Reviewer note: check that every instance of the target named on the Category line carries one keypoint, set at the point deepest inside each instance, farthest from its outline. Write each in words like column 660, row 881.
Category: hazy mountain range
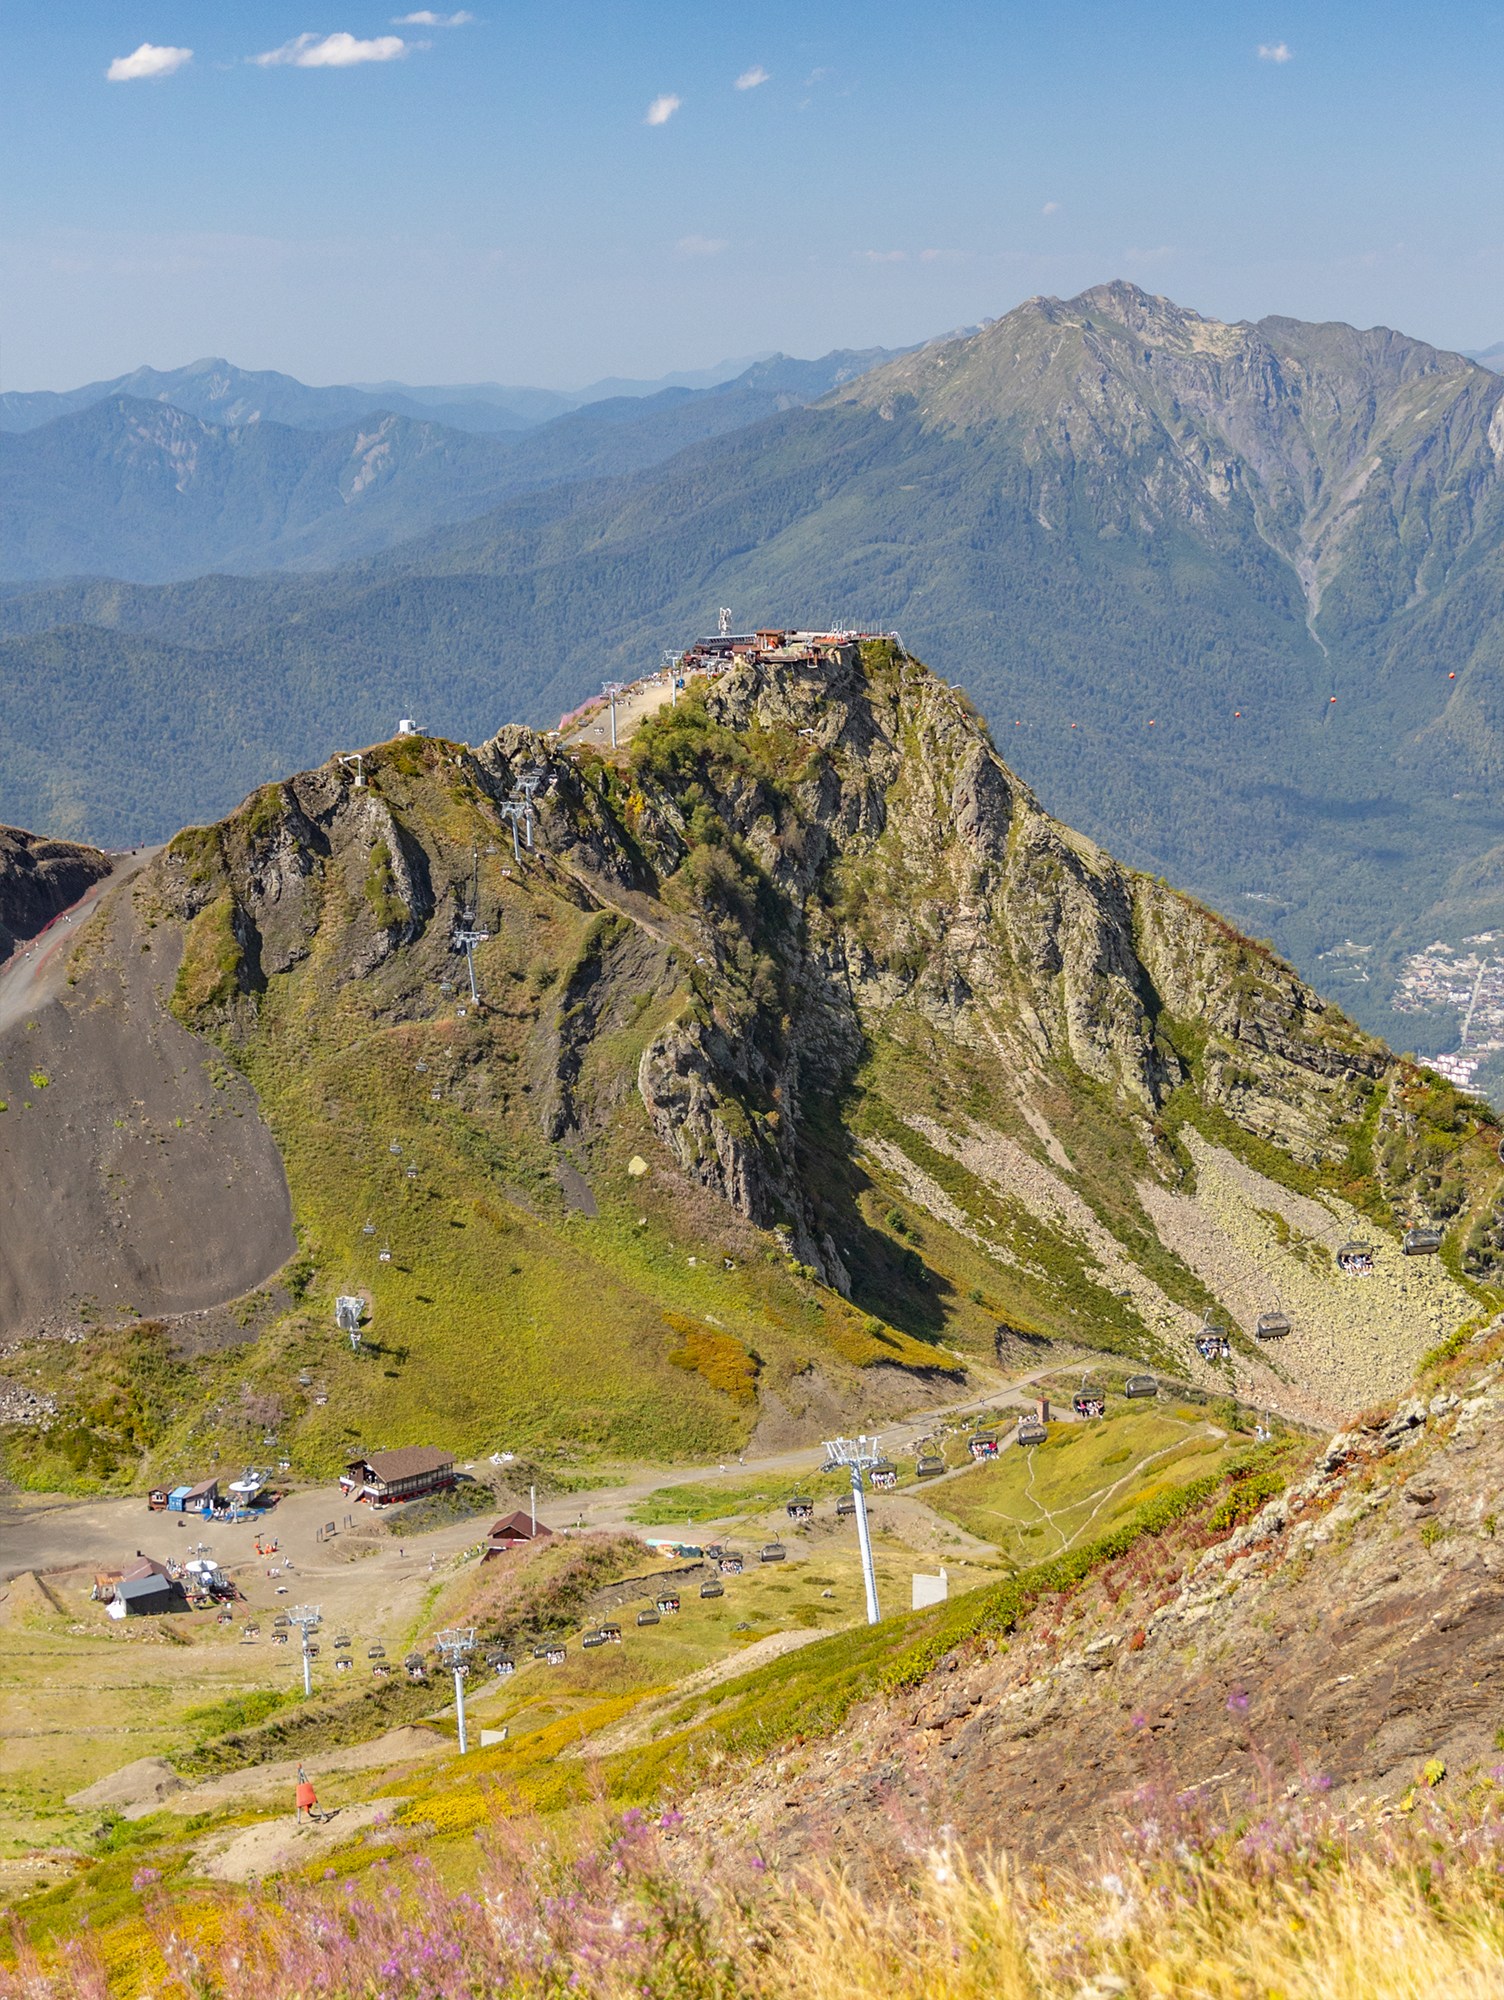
column 1154, row 547
column 221, row 393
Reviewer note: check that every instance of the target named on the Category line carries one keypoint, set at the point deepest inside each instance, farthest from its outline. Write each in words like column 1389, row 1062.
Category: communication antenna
column 465, row 936
column 858, row 1456
column 306, row 1618
column 455, row 1648
column 725, row 620
column 611, row 689
column 354, row 758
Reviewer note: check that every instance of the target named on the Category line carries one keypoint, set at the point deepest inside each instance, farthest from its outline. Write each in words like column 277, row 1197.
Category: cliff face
column 39, row 878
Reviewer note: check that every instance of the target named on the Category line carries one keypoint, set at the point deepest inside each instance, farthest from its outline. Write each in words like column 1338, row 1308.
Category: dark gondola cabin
column 1424, row 1240
column 1140, row 1385
column 883, row 1476
column 983, row 1445
column 772, row 1552
column 1272, row 1326
column 648, row 1618
column 930, row 1466
column 593, row 1639
column 375, row 1652
column 713, row 1587
column 801, row 1508
column 845, row 1507
column 1355, row 1258
column 1032, row 1431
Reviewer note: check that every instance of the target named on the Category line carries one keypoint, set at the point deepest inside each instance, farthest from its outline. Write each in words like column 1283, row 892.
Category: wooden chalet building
column 388, row 1476
column 513, row 1533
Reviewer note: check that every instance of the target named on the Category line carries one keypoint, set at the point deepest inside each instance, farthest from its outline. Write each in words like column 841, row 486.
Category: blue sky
column 489, row 201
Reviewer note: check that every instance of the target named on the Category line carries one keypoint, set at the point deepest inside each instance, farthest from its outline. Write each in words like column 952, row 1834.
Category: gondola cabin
column 381, row 1669
column 416, row 1666
column 342, row 1643
column 772, row 1552
column 845, row 1507
column 279, row 1638
column 1272, row 1326
column 501, row 1664
column 1032, row 1431
column 375, row 1652
column 1140, row 1385
column 667, row 1606
column 1424, row 1240
column 281, row 1619
column 983, row 1445
column 930, row 1466
column 648, row 1618
column 801, row 1508
column 713, row 1587
column 883, row 1476
column 343, row 1664
column 593, row 1639
column 1355, row 1258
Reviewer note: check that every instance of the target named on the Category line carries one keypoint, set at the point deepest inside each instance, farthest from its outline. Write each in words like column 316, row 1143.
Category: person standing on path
column 307, row 1799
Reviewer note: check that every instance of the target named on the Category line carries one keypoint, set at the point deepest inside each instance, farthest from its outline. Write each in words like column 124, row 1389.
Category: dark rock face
column 39, row 879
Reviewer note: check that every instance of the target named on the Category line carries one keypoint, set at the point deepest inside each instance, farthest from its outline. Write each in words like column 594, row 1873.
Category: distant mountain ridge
column 142, row 489
column 1232, row 596
column 220, row 393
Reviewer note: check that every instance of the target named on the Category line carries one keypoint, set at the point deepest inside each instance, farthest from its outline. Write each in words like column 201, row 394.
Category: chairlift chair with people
column 1355, row 1258
column 883, row 1476
column 801, row 1508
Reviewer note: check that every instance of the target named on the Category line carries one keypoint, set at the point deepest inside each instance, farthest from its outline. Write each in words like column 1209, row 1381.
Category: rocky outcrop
column 39, row 879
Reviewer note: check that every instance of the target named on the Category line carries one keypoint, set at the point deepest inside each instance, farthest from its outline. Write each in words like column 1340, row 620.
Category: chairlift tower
column 859, row 1456
column 306, row 1617
column 455, row 1648
column 354, row 758
column 465, row 936
column 611, row 689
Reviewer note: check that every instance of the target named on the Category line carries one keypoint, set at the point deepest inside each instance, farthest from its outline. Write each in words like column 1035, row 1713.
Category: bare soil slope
column 136, row 1175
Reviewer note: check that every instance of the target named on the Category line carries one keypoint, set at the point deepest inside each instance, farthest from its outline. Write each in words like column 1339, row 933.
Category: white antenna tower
column 863, row 1453
column 456, row 1647
column 306, row 1617
column 465, row 936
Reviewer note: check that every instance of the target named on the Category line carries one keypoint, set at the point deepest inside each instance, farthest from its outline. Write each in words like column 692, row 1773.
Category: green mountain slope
column 815, row 1071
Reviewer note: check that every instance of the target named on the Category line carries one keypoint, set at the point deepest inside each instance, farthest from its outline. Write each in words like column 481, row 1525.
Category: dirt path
column 276, row 1845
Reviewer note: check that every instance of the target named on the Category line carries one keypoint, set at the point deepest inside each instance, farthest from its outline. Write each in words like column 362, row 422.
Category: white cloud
column 1050, row 208
column 1277, row 52
column 425, row 19
column 883, row 256
column 751, row 78
column 700, row 246
column 339, row 51
column 661, row 110
column 147, row 61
